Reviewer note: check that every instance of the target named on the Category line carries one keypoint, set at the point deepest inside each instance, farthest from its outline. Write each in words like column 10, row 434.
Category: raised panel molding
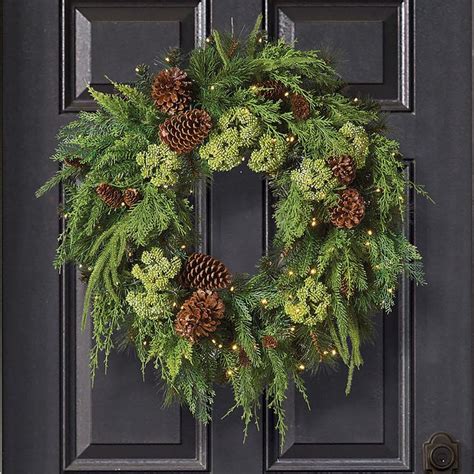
column 112, row 37
column 387, row 445
column 370, row 41
column 119, row 424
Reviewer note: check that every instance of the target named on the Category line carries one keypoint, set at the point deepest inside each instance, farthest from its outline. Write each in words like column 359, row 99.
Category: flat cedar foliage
column 316, row 291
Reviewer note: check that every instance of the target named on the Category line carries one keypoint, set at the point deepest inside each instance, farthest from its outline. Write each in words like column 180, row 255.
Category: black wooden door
column 411, row 55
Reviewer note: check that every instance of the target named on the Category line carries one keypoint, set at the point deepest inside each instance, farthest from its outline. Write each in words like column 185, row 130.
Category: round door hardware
column 441, row 454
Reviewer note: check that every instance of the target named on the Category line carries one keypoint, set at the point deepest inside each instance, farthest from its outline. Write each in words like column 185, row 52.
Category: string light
column 231, row 289
column 314, row 222
column 220, row 346
column 230, row 373
column 390, row 290
column 167, row 59
column 378, row 190
column 287, row 94
column 290, row 138
column 291, row 273
column 313, row 271
column 356, row 99
column 301, row 367
column 264, row 301
column 325, row 353
column 235, row 347
column 212, row 87
column 123, row 204
column 370, row 232
column 175, row 304
column 334, row 352
column 367, row 243
column 292, row 329
column 214, row 341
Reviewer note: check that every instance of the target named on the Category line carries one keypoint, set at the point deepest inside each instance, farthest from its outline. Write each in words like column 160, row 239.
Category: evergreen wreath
column 128, row 173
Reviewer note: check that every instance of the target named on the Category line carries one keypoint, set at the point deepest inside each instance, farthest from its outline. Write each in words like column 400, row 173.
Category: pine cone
column 343, row 168
column 111, row 195
column 344, row 289
column 205, row 272
column 200, row 315
column 269, row 342
column 299, row 106
column 131, row 196
column 75, row 162
column 185, row 131
column 350, row 209
column 272, row 90
column 244, row 360
column 171, row 90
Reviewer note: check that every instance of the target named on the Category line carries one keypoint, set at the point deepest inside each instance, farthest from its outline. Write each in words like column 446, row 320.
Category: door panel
column 412, row 57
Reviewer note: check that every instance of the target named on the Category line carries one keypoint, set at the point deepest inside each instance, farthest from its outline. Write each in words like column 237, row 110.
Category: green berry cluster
column 311, row 304
column 152, row 301
column 314, row 179
column 160, row 165
column 270, row 155
column 237, row 129
column 358, row 142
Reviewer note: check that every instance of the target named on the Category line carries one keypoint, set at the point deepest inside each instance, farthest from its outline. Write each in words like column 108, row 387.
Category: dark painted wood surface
column 414, row 57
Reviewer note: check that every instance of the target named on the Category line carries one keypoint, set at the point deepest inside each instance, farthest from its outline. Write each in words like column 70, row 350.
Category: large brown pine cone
column 131, row 196
column 205, row 272
column 200, row 315
column 300, row 106
column 185, row 131
column 343, row 168
column 350, row 209
column 272, row 90
column 171, row 90
column 111, row 195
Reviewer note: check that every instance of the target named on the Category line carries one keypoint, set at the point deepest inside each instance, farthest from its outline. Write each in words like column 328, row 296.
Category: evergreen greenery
column 315, row 293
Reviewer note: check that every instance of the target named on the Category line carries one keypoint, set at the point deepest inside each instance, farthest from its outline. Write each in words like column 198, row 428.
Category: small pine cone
column 343, row 168
column 111, row 195
column 200, row 315
column 244, row 360
column 75, row 162
column 131, row 196
column 205, row 272
column 300, row 106
column 185, row 131
column 350, row 209
column 344, row 289
column 272, row 90
column 171, row 90
column 234, row 46
column 269, row 342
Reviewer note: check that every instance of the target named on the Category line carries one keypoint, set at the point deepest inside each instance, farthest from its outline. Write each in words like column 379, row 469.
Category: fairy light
column 212, row 87
column 287, row 94
column 167, row 59
column 367, row 244
column 314, row 222
column 370, row 232
column 214, row 341
column 313, row 271
column 220, row 346
column 390, row 290
column 264, row 301
column 356, row 99
column 230, row 373
column 292, row 329
column 334, row 352
column 291, row 273
column 232, row 289
column 378, row 190
column 301, row 367
column 290, row 138
column 123, row 204
column 183, row 247
column 175, row 304
column 235, row 347
column 325, row 353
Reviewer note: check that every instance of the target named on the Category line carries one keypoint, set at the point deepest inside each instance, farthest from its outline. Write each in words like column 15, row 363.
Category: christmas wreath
column 128, row 174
